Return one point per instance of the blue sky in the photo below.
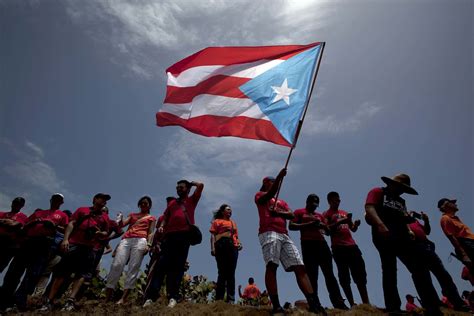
(80, 83)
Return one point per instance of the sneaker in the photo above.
(172, 303)
(46, 307)
(69, 306)
(148, 302)
(12, 309)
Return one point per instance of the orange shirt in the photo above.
(251, 291)
(220, 226)
(452, 226)
(139, 225)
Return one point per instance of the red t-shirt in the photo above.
(418, 230)
(220, 226)
(411, 307)
(83, 234)
(452, 226)
(174, 214)
(267, 222)
(12, 232)
(138, 227)
(57, 218)
(341, 234)
(309, 233)
(251, 291)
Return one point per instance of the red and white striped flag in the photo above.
(240, 91)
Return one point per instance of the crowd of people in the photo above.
(66, 248)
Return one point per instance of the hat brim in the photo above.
(103, 196)
(407, 189)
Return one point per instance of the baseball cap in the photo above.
(444, 200)
(57, 195)
(104, 196)
(268, 179)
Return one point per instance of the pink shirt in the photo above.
(138, 227)
(312, 232)
(341, 234)
(268, 222)
(174, 213)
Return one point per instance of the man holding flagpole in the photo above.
(278, 247)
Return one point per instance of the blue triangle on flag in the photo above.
(281, 92)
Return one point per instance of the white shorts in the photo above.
(278, 247)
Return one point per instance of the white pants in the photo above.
(133, 251)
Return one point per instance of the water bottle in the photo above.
(119, 217)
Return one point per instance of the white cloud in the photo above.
(137, 29)
(332, 124)
(37, 150)
(228, 166)
(30, 168)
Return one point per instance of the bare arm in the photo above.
(426, 223)
(199, 187)
(150, 233)
(345, 220)
(213, 242)
(125, 222)
(67, 233)
(459, 248)
(374, 220)
(353, 226)
(274, 188)
(108, 249)
(9, 222)
(298, 226)
(286, 215)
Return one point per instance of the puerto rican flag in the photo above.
(248, 92)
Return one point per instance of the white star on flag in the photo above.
(283, 92)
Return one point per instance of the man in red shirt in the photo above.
(458, 233)
(345, 250)
(34, 252)
(314, 247)
(277, 245)
(386, 212)
(411, 307)
(426, 251)
(10, 226)
(178, 216)
(87, 225)
(251, 295)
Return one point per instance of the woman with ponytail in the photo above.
(225, 246)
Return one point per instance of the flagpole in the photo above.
(300, 123)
